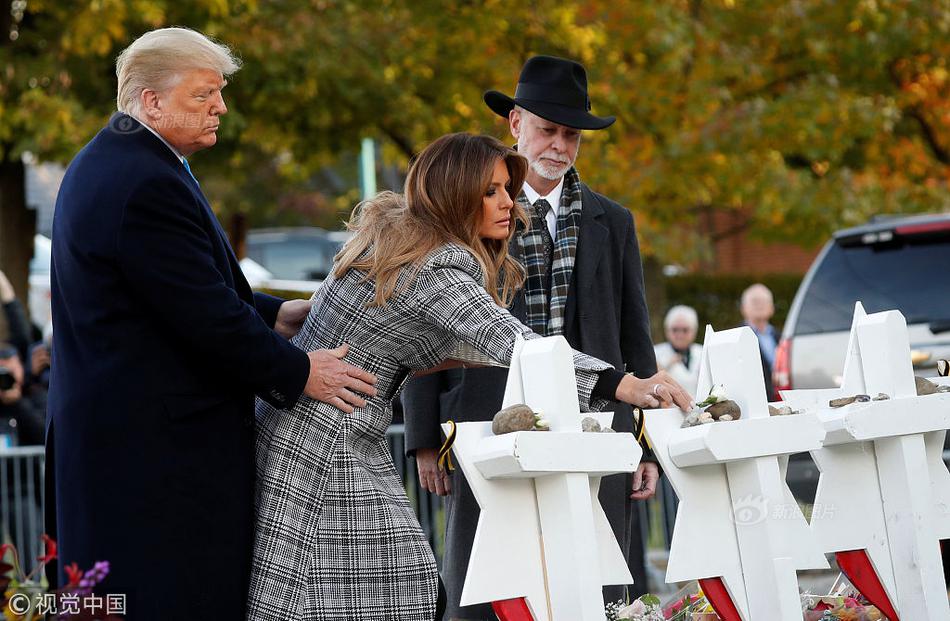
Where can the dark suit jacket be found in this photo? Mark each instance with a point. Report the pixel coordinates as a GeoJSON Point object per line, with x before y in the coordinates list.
{"type": "Point", "coordinates": [160, 346]}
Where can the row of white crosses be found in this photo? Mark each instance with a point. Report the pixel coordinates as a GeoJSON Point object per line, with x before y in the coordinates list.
{"type": "Point", "coordinates": [884, 490]}
{"type": "Point", "coordinates": [543, 536]}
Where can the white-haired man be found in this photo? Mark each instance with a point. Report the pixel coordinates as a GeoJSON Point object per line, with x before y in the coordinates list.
{"type": "Point", "coordinates": [160, 348]}
{"type": "Point", "coordinates": [584, 281]}
{"type": "Point", "coordinates": [757, 308]}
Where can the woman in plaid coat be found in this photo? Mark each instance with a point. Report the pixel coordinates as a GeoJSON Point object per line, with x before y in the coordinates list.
{"type": "Point", "coordinates": [336, 538]}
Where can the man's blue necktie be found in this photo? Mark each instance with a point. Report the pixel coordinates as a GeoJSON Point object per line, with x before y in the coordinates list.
{"type": "Point", "coordinates": [184, 161]}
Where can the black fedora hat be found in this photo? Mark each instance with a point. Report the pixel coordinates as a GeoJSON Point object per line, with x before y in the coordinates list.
{"type": "Point", "coordinates": [553, 88]}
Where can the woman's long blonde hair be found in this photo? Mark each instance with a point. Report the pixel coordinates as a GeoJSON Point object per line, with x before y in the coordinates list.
{"type": "Point", "coordinates": [444, 190]}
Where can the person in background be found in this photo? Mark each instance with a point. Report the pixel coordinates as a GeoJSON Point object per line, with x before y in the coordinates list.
{"type": "Point", "coordinates": [679, 355]}
{"type": "Point", "coordinates": [757, 308]}
{"type": "Point", "coordinates": [19, 328]}
{"type": "Point", "coordinates": [20, 421]}
{"type": "Point", "coordinates": [22, 413]}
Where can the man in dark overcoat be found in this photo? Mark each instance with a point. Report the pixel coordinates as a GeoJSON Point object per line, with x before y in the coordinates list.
{"type": "Point", "coordinates": [160, 348]}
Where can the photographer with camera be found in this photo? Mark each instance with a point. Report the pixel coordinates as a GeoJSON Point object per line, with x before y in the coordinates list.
{"type": "Point", "coordinates": [19, 328]}
{"type": "Point", "coordinates": [20, 420]}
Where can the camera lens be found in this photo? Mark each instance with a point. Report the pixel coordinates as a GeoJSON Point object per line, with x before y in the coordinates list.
{"type": "Point", "coordinates": [7, 380]}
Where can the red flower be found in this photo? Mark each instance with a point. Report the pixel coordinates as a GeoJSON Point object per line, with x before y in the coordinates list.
{"type": "Point", "coordinates": [50, 549]}
{"type": "Point", "coordinates": [74, 573]}
{"type": "Point", "coordinates": [5, 567]}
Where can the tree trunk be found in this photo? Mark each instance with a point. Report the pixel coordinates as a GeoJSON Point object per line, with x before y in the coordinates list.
{"type": "Point", "coordinates": [17, 228]}
{"type": "Point", "coordinates": [237, 232]}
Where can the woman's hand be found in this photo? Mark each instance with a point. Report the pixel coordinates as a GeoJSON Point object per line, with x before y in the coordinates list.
{"type": "Point", "coordinates": [291, 317]}
{"type": "Point", "coordinates": [432, 478]}
{"type": "Point", "coordinates": [643, 482]}
{"type": "Point", "coordinates": [661, 390]}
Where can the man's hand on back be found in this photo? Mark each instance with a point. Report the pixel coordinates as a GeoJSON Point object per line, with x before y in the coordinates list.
{"type": "Point", "coordinates": [336, 382]}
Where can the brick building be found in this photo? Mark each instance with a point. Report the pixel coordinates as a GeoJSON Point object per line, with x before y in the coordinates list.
{"type": "Point", "coordinates": [734, 252]}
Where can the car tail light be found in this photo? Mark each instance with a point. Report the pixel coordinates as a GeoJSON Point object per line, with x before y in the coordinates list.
{"type": "Point", "coordinates": [782, 371]}
{"type": "Point", "coordinates": [923, 228]}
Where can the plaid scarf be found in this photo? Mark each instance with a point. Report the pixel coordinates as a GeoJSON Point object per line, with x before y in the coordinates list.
{"type": "Point", "coordinates": [545, 309]}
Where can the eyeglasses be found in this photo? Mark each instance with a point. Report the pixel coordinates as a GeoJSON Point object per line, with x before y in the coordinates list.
{"type": "Point", "coordinates": [7, 352]}
{"type": "Point", "coordinates": [675, 329]}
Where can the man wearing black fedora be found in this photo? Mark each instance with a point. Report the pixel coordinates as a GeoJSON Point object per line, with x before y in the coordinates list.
{"type": "Point", "coordinates": [584, 281]}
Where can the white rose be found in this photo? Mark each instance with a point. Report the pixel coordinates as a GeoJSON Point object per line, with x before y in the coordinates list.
{"type": "Point", "coordinates": [633, 611]}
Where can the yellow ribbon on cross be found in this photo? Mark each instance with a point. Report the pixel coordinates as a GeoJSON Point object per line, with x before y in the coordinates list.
{"type": "Point", "coordinates": [445, 453]}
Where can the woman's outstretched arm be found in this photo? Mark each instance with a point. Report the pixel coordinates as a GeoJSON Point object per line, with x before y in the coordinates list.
{"type": "Point", "coordinates": [450, 296]}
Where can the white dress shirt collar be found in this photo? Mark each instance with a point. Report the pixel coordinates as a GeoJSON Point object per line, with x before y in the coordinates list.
{"type": "Point", "coordinates": [181, 158]}
{"type": "Point", "coordinates": [553, 198]}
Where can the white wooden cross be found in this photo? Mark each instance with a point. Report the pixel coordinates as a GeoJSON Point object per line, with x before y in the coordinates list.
{"type": "Point", "coordinates": [542, 533]}
{"type": "Point", "coordinates": [884, 487]}
{"type": "Point", "coordinates": [737, 519]}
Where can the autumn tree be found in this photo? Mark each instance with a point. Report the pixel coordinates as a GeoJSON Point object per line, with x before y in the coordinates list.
{"type": "Point", "coordinates": [803, 116]}
{"type": "Point", "coordinates": [800, 115]}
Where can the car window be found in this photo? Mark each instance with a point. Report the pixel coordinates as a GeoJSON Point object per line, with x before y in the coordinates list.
{"type": "Point", "coordinates": [295, 259]}
{"type": "Point", "coordinates": [908, 275]}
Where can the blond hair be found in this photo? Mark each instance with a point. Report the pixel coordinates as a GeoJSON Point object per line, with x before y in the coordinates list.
{"type": "Point", "coordinates": [444, 190]}
{"type": "Point", "coordinates": [157, 59]}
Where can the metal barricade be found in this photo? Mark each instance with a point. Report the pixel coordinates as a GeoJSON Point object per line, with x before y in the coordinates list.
{"type": "Point", "coordinates": [22, 499]}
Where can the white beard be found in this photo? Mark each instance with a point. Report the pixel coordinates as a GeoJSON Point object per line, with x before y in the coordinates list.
{"type": "Point", "coordinates": [551, 173]}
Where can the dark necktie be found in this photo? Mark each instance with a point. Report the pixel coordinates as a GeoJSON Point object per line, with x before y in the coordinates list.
{"type": "Point", "coordinates": [541, 208]}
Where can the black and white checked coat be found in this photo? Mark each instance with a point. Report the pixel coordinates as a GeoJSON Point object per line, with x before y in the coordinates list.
{"type": "Point", "coordinates": [336, 537]}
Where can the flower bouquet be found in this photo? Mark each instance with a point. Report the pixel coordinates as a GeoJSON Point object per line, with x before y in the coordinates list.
{"type": "Point", "coordinates": [687, 604]}
{"type": "Point", "coordinates": [27, 597]}
{"type": "Point", "coordinates": [842, 603]}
